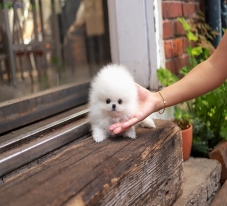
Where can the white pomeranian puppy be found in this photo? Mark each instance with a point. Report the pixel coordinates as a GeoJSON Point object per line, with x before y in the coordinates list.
{"type": "Point", "coordinates": [113, 98]}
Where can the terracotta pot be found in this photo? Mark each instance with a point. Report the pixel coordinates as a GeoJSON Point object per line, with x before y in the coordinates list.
{"type": "Point", "coordinates": [187, 142]}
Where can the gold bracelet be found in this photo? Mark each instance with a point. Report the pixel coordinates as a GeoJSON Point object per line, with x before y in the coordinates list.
{"type": "Point", "coordinates": [164, 102]}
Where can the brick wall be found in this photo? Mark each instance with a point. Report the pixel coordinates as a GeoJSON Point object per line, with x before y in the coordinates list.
{"type": "Point", "coordinates": [175, 41]}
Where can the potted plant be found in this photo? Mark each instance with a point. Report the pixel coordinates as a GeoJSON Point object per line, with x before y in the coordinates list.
{"type": "Point", "coordinates": [182, 119]}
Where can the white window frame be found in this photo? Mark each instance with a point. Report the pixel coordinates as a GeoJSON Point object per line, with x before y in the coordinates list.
{"type": "Point", "coordinates": [136, 38]}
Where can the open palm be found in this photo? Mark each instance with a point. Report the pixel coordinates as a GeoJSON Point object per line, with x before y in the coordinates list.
{"type": "Point", "coordinates": [146, 102]}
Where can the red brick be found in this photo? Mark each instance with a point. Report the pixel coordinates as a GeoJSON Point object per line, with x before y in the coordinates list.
{"type": "Point", "coordinates": [220, 153]}
{"type": "Point", "coordinates": [175, 65]}
{"type": "Point", "coordinates": [179, 29]}
{"type": "Point", "coordinates": [189, 9]}
{"type": "Point", "coordinates": [171, 9]}
{"type": "Point", "coordinates": [173, 48]}
{"type": "Point", "coordinates": [168, 29]}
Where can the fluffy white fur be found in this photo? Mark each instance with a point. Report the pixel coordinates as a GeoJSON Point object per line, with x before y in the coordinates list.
{"type": "Point", "coordinates": [113, 98]}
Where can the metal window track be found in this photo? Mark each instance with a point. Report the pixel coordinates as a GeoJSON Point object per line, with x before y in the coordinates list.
{"type": "Point", "coordinates": [57, 134]}
{"type": "Point", "coordinates": [20, 112]}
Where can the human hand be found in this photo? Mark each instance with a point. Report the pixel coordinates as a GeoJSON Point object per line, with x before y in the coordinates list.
{"type": "Point", "coordinates": [147, 104]}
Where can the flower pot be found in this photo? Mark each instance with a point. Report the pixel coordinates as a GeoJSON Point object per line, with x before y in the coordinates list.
{"type": "Point", "coordinates": [186, 142]}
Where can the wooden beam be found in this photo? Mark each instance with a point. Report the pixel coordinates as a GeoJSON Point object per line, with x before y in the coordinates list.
{"type": "Point", "coordinates": [118, 171]}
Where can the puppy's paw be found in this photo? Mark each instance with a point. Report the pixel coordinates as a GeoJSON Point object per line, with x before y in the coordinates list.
{"type": "Point", "coordinates": [130, 133]}
{"type": "Point", "coordinates": [98, 134]}
{"type": "Point", "coordinates": [148, 122]}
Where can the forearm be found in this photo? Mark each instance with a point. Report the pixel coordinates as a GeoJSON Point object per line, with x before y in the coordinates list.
{"type": "Point", "coordinates": [204, 78]}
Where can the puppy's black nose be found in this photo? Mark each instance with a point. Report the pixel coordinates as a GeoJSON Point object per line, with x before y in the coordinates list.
{"type": "Point", "coordinates": [113, 106]}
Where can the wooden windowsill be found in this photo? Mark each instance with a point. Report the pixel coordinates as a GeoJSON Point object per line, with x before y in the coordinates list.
{"type": "Point", "coordinates": [118, 171]}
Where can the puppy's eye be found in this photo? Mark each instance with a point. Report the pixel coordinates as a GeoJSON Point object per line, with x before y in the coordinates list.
{"type": "Point", "coordinates": [119, 101]}
{"type": "Point", "coordinates": [108, 101]}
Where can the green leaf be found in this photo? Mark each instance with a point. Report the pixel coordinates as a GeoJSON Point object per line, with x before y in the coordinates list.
{"type": "Point", "coordinates": [166, 77]}
{"type": "Point", "coordinates": [185, 70]}
{"type": "Point", "coordinates": [196, 51]}
{"type": "Point", "coordinates": [191, 36]}
{"type": "Point", "coordinates": [189, 50]}
{"type": "Point", "coordinates": [223, 132]}
{"type": "Point", "coordinates": [206, 53]}
{"type": "Point", "coordinates": [185, 24]}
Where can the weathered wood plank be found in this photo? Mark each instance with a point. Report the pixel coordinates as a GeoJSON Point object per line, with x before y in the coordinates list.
{"type": "Point", "coordinates": [118, 171]}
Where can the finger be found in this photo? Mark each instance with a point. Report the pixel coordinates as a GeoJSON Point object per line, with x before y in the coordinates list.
{"type": "Point", "coordinates": [121, 127]}
{"type": "Point", "coordinates": [114, 126]}
{"type": "Point", "coordinates": [117, 130]}
{"type": "Point", "coordinates": [130, 123]}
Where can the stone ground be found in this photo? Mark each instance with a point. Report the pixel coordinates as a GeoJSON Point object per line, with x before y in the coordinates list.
{"type": "Point", "coordinates": [221, 199]}
{"type": "Point", "coordinates": [201, 182]}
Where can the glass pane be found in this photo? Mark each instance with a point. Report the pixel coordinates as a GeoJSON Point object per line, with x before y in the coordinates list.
{"type": "Point", "coordinates": [48, 43]}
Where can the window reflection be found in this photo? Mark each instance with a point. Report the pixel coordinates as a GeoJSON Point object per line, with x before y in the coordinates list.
{"type": "Point", "coordinates": [47, 43]}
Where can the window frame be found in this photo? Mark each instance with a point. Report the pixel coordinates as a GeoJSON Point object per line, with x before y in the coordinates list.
{"type": "Point", "coordinates": [52, 101]}
{"type": "Point", "coordinates": [146, 53]}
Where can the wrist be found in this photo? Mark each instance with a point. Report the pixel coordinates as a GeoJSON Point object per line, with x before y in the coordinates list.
{"type": "Point", "coordinates": [164, 103]}
{"type": "Point", "coordinates": [160, 103]}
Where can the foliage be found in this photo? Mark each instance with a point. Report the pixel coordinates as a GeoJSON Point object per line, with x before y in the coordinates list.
{"type": "Point", "coordinates": [211, 108]}
{"type": "Point", "coordinates": [199, 35]}
{"type": "Point", "coordinates": [208, 112]}
{"type": "Point", "coordinates": [166, 77]}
